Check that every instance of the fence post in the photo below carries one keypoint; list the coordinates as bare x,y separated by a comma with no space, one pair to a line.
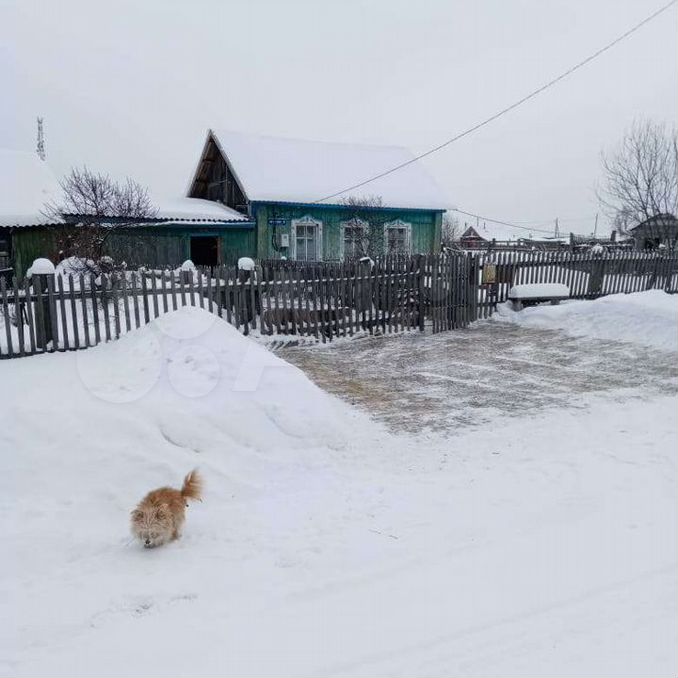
596,275
42,273
421,285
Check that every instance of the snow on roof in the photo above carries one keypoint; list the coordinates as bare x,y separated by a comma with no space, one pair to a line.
26,184
295,170
198,210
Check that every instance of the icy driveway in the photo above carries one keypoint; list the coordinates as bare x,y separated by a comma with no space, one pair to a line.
467,377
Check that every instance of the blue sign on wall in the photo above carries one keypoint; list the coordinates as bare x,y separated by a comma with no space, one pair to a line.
277,222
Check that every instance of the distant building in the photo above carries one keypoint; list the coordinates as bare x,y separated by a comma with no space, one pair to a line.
659,230
281,184
488,234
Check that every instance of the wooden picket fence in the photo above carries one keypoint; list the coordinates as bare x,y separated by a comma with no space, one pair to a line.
587,275
322,301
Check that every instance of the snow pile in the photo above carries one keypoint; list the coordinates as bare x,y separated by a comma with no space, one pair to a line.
647,318
324,546
539,291
42,266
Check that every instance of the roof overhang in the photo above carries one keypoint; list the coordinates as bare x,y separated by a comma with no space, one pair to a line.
356,208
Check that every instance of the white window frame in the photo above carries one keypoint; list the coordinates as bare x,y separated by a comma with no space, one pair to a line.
351,223
399,223
307,220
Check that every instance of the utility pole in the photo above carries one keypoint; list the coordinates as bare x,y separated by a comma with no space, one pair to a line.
595,227
557,231
41,141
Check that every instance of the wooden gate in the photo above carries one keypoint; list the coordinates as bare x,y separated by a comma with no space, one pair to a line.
451,293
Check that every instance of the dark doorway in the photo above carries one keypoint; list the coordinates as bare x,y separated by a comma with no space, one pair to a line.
205,250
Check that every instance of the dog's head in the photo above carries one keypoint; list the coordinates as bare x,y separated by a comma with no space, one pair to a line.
152,525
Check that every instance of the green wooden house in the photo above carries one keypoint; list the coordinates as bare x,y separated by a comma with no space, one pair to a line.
287,188
261,197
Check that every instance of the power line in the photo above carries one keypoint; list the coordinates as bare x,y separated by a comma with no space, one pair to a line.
503,223
514,105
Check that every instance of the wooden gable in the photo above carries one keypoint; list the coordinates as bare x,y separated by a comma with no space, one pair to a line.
215,179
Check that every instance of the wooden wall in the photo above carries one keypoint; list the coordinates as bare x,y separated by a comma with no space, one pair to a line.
153,247
426,226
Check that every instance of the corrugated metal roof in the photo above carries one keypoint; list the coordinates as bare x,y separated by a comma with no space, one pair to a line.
196,210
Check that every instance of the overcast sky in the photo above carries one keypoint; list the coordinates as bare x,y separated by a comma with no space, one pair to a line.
130,87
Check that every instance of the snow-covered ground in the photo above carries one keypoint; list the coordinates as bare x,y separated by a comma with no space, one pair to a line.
541,544
648,318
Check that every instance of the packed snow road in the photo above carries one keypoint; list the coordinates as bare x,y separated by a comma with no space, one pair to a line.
418,383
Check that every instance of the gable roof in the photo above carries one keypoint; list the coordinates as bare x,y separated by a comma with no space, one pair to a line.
26,184
273,169
667,220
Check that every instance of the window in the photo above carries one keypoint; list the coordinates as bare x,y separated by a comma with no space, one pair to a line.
354,238
397,237
306,239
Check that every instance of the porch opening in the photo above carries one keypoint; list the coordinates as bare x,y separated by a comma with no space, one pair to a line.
205,250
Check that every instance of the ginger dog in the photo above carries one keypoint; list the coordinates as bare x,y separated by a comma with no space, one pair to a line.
160,515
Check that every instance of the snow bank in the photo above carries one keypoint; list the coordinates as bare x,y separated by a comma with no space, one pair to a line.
539,290
647,318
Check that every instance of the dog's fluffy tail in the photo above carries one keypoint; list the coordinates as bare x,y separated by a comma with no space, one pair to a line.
192,487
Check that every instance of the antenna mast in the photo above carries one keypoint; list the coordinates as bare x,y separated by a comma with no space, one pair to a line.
41,141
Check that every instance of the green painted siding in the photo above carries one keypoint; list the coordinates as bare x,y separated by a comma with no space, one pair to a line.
236,243
264,247
29,243
425,227
170,246
163,247
153,247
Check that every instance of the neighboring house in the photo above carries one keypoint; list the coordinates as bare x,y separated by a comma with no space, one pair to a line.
661,229
281,184
483,236
204,231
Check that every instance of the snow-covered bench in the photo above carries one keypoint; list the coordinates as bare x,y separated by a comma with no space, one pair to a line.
537,293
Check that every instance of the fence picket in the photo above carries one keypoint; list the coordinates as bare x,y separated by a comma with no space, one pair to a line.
5,310
30,315
62,309
125,303
18,312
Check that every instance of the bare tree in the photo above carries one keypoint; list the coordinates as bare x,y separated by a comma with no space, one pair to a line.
451,230
99,206
365,233
640,175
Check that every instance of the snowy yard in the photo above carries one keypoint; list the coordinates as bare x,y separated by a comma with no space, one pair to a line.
468,378
508,509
